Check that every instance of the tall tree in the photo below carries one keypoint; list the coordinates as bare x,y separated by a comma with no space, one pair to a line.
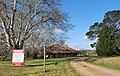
106,43
107,34
20,18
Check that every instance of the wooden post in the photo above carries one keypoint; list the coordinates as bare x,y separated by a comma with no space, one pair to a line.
44,58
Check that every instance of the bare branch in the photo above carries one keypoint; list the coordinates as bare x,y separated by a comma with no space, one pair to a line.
3,4
6,32
12,22
42,20
1,27
35,13
27,37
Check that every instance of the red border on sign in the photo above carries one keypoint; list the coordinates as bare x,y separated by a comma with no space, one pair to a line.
16,51
18,64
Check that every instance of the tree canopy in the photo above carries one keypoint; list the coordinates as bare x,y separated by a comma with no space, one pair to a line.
37,20
19,19
107,34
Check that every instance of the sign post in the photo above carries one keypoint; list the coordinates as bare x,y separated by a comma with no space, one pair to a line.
18,58
44,58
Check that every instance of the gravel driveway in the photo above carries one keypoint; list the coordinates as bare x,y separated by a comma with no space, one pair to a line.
86,69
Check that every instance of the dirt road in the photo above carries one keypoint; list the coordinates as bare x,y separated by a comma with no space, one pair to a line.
86,69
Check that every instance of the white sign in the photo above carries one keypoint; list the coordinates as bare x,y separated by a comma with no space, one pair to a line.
18,58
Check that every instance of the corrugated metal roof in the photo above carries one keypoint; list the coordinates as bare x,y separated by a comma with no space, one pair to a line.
60,49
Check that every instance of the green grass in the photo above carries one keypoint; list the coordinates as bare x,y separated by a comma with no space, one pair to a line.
35,68
108,62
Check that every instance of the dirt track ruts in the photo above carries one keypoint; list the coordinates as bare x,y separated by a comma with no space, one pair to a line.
86,69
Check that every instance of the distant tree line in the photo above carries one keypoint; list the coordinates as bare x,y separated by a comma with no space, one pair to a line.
107,34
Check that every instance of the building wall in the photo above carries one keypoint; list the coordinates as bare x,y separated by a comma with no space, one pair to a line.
61,55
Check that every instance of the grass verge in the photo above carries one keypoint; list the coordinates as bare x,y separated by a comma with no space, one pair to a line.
35,68
109,62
